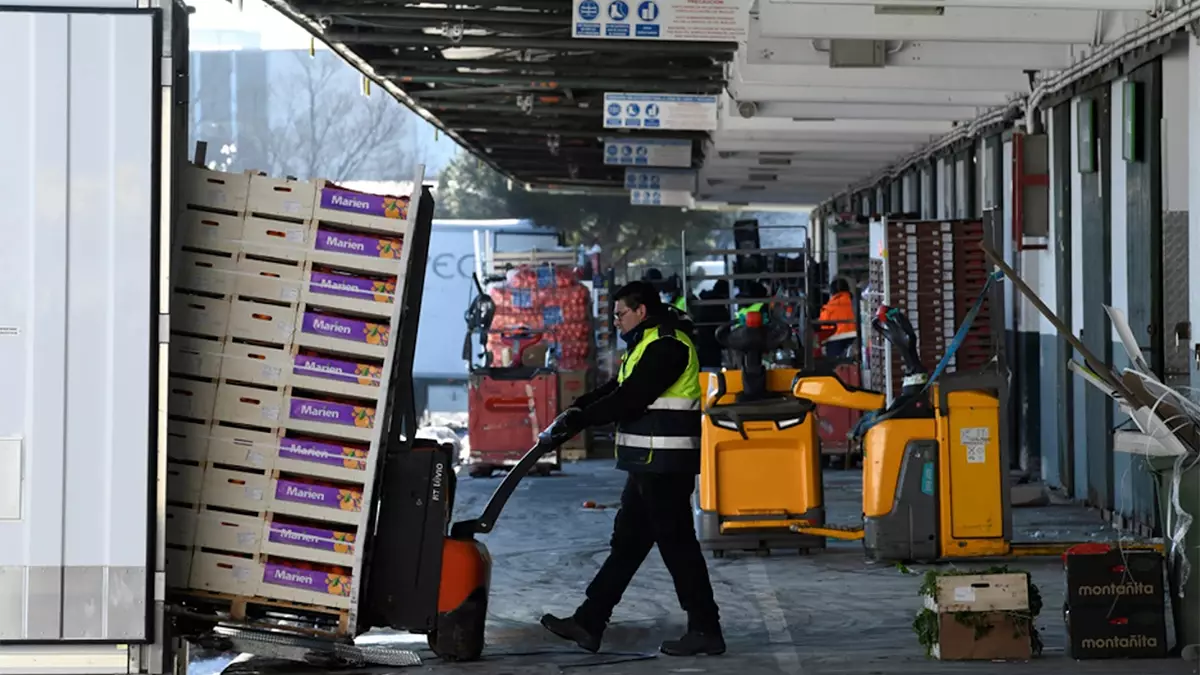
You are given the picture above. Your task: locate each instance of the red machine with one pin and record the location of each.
(834, 424)
(508, 408)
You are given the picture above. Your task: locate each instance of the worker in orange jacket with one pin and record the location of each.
(836, 326)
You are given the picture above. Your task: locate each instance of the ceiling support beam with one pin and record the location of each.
(555, 83)
(750, 91)
(956, 24)
(867, 111)
(549, 68)
(932, 79)
(356, 37)
(1092, 5)
(470, 16)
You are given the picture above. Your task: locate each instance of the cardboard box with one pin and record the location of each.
(281, 197)
(268, 280)
(224, 531)
(205, 272)
(381, 213)
(248, 405)
(241, 490)
(196, 356)
(199, 315)
(238, 446)
(184, 482)
(210, 231)
(352, 250)
(279, 239)
(571, 385)
(187, 440)
(316, 543)
(976, 621)
(207, 189)
(341, 291)
(191, 398)
(221, 573)
(284, 580)
(343, 334)
(274, 324)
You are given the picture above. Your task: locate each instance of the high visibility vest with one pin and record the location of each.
(667, 437)
(756, 307)
(680, 303)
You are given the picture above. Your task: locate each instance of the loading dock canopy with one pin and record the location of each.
(817, 99)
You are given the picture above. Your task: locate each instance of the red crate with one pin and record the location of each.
(507, 408)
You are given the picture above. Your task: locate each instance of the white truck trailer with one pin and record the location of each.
(93, 124)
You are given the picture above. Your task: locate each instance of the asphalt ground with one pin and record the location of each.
(827, 613)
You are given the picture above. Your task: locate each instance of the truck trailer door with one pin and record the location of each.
(80, 199)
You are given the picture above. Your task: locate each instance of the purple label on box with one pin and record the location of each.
(342, 284)
(311, 537)
(335, 369)
(323, 453)
(316, 581)
(346, 329)
(358, 244)
(332, 413)
(318, 495)
(358, 202)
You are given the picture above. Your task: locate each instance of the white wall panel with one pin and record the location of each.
(77, 280)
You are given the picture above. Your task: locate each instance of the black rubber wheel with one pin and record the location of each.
(543, 470)
(459, 633)
(481, 471)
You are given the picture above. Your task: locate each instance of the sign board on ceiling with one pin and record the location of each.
(660, 179)
(683, 112)
(669, 152)
(682, 20)
(681, 198)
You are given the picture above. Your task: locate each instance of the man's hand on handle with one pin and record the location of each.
(568, 423)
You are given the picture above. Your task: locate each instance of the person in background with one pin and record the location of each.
(757, 294)
(711, 317)
(677, 297)
(836, 329)
(655, 402)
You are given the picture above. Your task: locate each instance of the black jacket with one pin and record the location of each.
(661, 365)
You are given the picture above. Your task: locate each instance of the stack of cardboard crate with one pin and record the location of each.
(283, 302)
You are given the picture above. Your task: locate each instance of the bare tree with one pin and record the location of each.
(317, 123)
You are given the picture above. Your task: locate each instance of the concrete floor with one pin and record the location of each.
(824, 614)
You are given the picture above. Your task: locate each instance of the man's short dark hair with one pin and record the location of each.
(638, 293)
(839, 285)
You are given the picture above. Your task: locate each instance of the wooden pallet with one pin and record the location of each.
(254, 610)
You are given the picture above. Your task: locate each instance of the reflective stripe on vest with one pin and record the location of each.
(672, 421)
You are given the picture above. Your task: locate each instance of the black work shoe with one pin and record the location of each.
(694, 643)
(569, 629)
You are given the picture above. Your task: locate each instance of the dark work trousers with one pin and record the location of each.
(656, 508)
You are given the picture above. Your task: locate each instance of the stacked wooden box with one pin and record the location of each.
(282, 307)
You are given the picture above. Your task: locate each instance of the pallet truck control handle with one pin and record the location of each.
(548, 440)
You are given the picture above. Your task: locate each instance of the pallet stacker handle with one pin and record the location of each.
(548, 441)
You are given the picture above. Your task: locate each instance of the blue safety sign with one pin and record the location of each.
(618, 10)
(589, 10)
(677, 112)
(648, 152)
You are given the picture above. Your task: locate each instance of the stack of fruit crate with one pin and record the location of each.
(284, 299)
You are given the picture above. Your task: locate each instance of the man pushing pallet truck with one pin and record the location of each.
(655, 403)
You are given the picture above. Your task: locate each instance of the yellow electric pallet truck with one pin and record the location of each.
(935, 478)
(760, 463)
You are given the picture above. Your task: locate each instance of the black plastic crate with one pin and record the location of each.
(1124, 578)
(1093, 632)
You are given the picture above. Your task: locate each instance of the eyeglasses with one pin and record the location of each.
(620, 313)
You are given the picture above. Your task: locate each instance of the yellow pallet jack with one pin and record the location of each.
(935, 463)
(760, 463)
